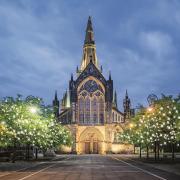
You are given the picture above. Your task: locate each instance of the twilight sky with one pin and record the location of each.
(41, 45)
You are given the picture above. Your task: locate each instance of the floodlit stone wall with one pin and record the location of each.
(122, 148)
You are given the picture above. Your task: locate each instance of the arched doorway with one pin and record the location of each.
(91, 141)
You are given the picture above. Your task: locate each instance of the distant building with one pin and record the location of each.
(89, 107)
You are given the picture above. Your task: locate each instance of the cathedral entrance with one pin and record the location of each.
(91, 147)
(95, 147)
(91, 141)
(87, 147)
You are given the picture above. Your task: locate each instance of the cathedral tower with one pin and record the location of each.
(127, 107)
(89, 48)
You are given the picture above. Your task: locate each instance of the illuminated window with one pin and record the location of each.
(101, 110)
(91, 103)
(81, 110)
(94, 110)
(87, 110)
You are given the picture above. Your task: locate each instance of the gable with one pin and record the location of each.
(91, 70)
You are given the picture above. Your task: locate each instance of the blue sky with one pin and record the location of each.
(41, 45)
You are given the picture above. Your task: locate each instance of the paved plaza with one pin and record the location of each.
(85, 167)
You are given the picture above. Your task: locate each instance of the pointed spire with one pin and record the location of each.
(115, 99)
(56, 105)
(71, 76)
(126, 93)
(109, 75)
(101, 69)
(89, 24)
(55, 96)
(89, 49)
(89, 38)
(115, 95)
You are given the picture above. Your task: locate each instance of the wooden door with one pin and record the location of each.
(87, 147)
(95, 147)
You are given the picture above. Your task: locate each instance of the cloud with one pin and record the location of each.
(41, 45)
(158, 43)
(32, 58)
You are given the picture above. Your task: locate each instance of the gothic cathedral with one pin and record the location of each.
(89, 108)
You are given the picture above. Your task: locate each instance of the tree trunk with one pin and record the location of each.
(14, 152)
(140, 154)
(36, 152)
(158, 150)
(155, 151)
(147, 152)
(134, 149)
(27, 151)
(173, 153)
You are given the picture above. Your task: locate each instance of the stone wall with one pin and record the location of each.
(122, 148)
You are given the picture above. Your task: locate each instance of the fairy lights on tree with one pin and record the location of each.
(29, 122)
(155, 128)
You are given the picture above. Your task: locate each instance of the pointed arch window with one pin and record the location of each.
(101, 110)
(87, 110)
(81, 109)
(94, 110)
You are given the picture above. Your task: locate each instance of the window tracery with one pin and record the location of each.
(81, 110)
(91, 103)
(87, 110)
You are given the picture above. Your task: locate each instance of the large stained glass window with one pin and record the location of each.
(91, 103)
(91, 86)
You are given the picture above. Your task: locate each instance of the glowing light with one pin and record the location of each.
(149, 109)
(33, 109)
(131, 125)
(3, 123)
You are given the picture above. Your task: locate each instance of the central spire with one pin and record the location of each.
(89, 49)
(89, 38)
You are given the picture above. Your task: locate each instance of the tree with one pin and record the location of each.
(29, 122)
(156, 126)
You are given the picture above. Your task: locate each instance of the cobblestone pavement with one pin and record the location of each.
(85, 167)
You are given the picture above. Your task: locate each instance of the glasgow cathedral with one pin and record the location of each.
(89, 108)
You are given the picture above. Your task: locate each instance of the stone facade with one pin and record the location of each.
(89, 107)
